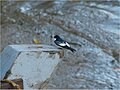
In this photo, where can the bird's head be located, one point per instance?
(56, 37)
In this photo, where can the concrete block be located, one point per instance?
(33, 63)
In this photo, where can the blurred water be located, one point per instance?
(113, 22)
(84, 14)
(109, 8)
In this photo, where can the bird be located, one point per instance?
(62, 43)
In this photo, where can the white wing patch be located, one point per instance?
(64, 44)
(67, 44)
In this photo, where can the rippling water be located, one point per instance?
(98, 14)
(112, 23)
(109, 8)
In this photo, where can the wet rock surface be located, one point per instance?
(92, 28)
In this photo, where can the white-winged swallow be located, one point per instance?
(62, 43)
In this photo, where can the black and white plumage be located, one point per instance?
(60, 42)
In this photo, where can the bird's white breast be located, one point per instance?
(54, 39)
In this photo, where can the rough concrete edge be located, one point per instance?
(29, 47)
(7, 57)
(10, 53)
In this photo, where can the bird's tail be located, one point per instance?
(73, 50)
